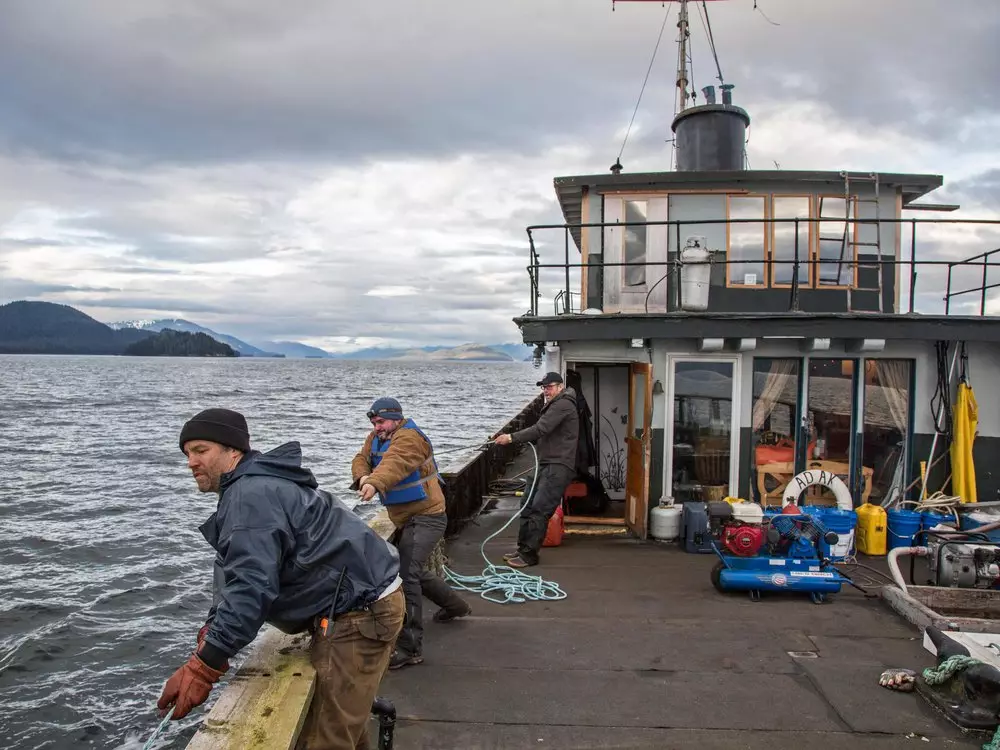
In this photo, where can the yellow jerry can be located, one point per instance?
(872, 524)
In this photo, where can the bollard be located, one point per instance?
(386, 713)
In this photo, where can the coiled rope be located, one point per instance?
(948, 669)
(503, 584)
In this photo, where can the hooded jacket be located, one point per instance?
(556, 432)
(283, 546)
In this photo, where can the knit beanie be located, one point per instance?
(223, 426)
(386, 408)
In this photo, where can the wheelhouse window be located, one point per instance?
(835, 250)
(787, 244)
(747, 240)
(635, 243)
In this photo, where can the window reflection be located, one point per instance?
(775, 403)
(746, 241)
(836, 253)
(635, 243)
(783, 239)
(829, 421)
(702, 410)
(887, 418)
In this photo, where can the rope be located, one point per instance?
(948, 669)
(503, 584)
(159, 729)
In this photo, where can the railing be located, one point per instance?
(465, 489)
(802, 257)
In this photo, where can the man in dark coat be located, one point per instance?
(290, 555)
(556, 434)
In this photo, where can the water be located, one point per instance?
(105, 577)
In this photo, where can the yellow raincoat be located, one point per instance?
(963, 469)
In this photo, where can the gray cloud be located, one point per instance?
(183, 80)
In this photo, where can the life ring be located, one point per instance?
(811, 477)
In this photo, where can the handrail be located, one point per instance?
(857, 258)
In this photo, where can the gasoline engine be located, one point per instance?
(738, 527)
(963, 564)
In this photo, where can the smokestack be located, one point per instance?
(727, 93)
(709, 92)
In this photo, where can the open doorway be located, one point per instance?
(616, 405)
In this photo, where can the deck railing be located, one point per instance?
(855, 256)
(465, 489)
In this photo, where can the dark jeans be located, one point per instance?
(550, 484)
(415, 542)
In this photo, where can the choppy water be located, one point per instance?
(104, 578)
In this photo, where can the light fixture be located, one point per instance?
(637, 343)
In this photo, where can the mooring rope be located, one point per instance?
(503, 584)
(159, 729)
(948, 669)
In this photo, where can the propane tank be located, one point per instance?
(665, 520)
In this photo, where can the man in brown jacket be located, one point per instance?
(397, 463)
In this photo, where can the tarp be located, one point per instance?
(963, 469)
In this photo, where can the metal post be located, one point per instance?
(386, 713)
(982, 297)
(795, 271)
(682, 76)
(677, 266)
(913, 261)
(947, 294)
(569, 299)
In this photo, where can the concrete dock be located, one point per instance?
(644, 653)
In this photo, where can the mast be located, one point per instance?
(682, 70)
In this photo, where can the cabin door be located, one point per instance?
(638, 440)
(637, 287)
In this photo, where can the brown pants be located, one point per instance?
(349, 662)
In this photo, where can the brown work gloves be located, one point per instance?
(188, 687)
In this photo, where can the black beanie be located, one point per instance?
(223, 426)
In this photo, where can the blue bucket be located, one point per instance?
(902, 526)
(843, 522)
(930, 518)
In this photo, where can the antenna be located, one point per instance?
(683, 36)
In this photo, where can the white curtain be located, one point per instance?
(781, 376)
(894, 377)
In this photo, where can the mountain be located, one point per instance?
(47, 328)
(465, 352)
(384, 352)
(171, 343)
(186, 326)
(518, 352)
(294, 349)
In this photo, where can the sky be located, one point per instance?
(351, 174)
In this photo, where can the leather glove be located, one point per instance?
(188, 687)
(202, 633)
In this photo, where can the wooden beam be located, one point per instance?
(266, 702)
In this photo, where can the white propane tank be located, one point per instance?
(665, 521)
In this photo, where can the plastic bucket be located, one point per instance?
(695, 274)
(929, 519)
(843, 522)
(901, 527)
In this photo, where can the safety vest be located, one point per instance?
(411, 488)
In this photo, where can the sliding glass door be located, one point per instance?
(702, 428)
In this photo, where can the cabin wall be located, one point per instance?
(769, 288)
(983, 367)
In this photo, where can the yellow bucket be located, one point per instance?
(872, 524)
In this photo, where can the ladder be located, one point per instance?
(850, 240)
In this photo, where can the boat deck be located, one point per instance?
(644, 653)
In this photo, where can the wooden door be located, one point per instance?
(638, 442)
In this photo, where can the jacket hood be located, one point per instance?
(283, 462)
(566, 393)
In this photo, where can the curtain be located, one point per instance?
(781, 376)
(894, 377)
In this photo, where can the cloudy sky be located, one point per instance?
(358, 173)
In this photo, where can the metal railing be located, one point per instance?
(465, 489)
(853, 257)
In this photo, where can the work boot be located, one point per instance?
(518, 561)
(447, 615)
(512, 553)
(403, 659)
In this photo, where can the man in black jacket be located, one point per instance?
(556, 433)
(291, 555)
